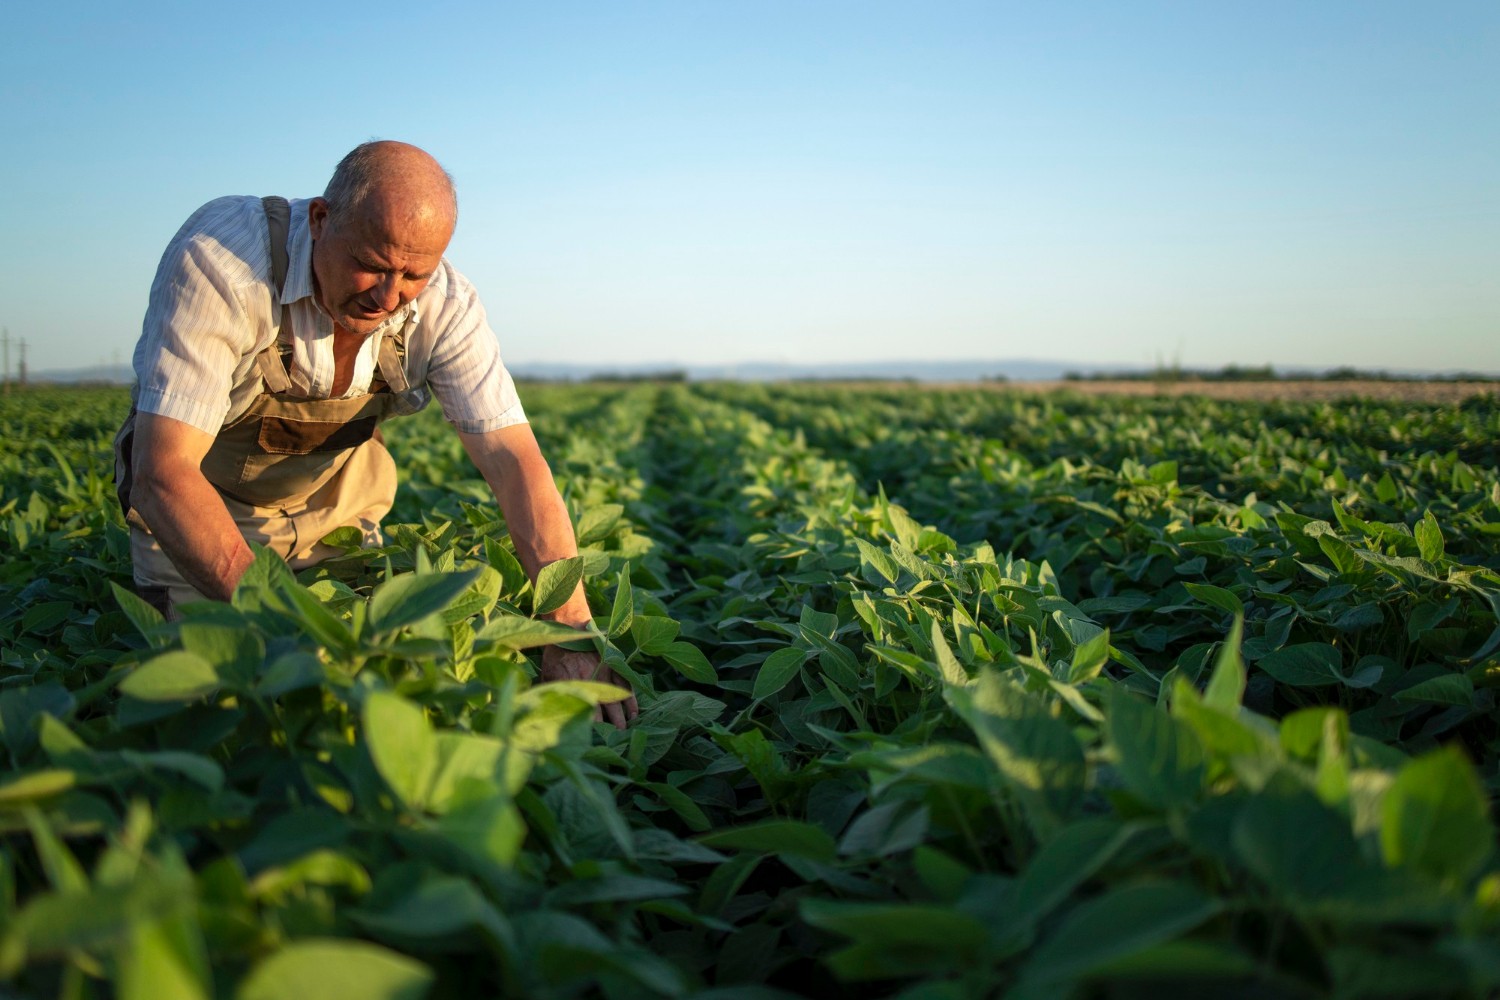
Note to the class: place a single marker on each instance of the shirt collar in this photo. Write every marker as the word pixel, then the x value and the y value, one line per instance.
pixel 299 283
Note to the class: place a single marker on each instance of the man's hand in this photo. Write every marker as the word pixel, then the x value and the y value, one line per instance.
pixel 511 462
pixel 560 664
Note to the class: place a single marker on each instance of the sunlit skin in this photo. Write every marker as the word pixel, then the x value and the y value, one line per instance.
pixel 374 259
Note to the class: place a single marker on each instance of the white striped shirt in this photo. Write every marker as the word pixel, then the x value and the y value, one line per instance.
pixel 213 308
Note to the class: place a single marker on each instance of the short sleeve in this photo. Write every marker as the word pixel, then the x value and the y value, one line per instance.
pixel 204 315
pixel 464 369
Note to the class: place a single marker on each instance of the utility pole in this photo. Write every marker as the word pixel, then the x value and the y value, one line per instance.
pixel 21 369
pixel 5 349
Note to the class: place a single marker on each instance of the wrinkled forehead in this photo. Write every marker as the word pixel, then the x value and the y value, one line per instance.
pixel 411 226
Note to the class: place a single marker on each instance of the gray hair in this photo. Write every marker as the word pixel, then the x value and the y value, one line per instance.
pixel 357 174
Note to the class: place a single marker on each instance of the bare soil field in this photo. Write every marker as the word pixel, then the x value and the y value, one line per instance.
pixel 1282 389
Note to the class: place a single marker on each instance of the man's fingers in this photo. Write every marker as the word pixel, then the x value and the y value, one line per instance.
pixel 569 665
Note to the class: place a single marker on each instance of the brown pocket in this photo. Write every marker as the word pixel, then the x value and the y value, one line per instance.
pixel 286 436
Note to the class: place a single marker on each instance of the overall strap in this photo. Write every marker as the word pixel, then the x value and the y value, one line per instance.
pixel 392 349
pixel 278 222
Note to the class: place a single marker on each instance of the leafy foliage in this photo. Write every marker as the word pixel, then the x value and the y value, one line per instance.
pixel 955 694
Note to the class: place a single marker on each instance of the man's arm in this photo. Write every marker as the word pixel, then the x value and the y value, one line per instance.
pixel 511 462
pixel 182 509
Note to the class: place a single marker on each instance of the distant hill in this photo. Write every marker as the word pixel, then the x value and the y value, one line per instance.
pixel 108 374
pixel 767 371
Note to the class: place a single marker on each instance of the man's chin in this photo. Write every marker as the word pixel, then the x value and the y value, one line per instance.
pixel 362 325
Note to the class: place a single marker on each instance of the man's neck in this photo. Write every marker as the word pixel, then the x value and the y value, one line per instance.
pixel 346 347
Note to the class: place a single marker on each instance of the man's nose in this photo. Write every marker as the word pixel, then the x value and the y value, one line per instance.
pixel 388 291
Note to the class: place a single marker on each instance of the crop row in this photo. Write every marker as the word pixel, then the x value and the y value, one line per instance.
pixel 943 694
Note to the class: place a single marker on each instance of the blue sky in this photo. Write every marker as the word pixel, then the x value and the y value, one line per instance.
pixel 1312 183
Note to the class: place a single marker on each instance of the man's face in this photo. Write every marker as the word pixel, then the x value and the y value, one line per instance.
pixel 367 265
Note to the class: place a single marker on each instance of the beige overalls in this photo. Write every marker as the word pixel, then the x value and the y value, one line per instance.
pixel 289 470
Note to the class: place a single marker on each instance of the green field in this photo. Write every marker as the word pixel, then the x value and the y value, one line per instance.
pixel 951 694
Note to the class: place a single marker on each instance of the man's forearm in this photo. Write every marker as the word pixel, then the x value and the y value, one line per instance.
pixel 190 522
pixel 543 533
pixel 534 511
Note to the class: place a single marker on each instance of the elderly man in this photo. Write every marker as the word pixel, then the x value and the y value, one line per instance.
pixel 278 336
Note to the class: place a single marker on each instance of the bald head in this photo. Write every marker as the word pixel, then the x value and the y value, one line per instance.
pixel 394 182
pixel 379 233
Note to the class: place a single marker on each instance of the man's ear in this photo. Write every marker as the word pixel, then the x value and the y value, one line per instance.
pixel 317 217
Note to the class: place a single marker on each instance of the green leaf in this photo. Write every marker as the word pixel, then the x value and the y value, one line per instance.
pixel 777 671
pixel 792 837
pixel 503 561
pixel 235 652
pixel 143 616
pixel 1221 733
pixel 1225 600
pixel 1118 924
pixel 596 523
pixel 203 771
pixel 402 745
pixel 1296 844
pixel 682 804
pixel 1159 757
pixel 315 619
pixel 1302 732
pixel 409 598
pixel 1065 862
pixel 46 616
pixel 1445 689
pixel 336 970
pixel 555 584
pixel 897 938
pixel 653 633
pixel 437 906
pixel 1429 538
pixel 267 574
pixel 1435 817
pixel 884 566
pixel 1226 686
pixel 22 709
pixel 459 758
pixel 34 786
pixel 1089 658
pixel 63 870
pixel 322 867
pixel 54 923
pixel 953 672
pixel 624 607
pixel 164 960
pixel 614 889
pixel 1307 664
pixel 489 828
pixel 291 672
pixel 518 632
pixel 175 676
pixel 690 662
pixel 589 692
pixel 884 831
pixel 1038 755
